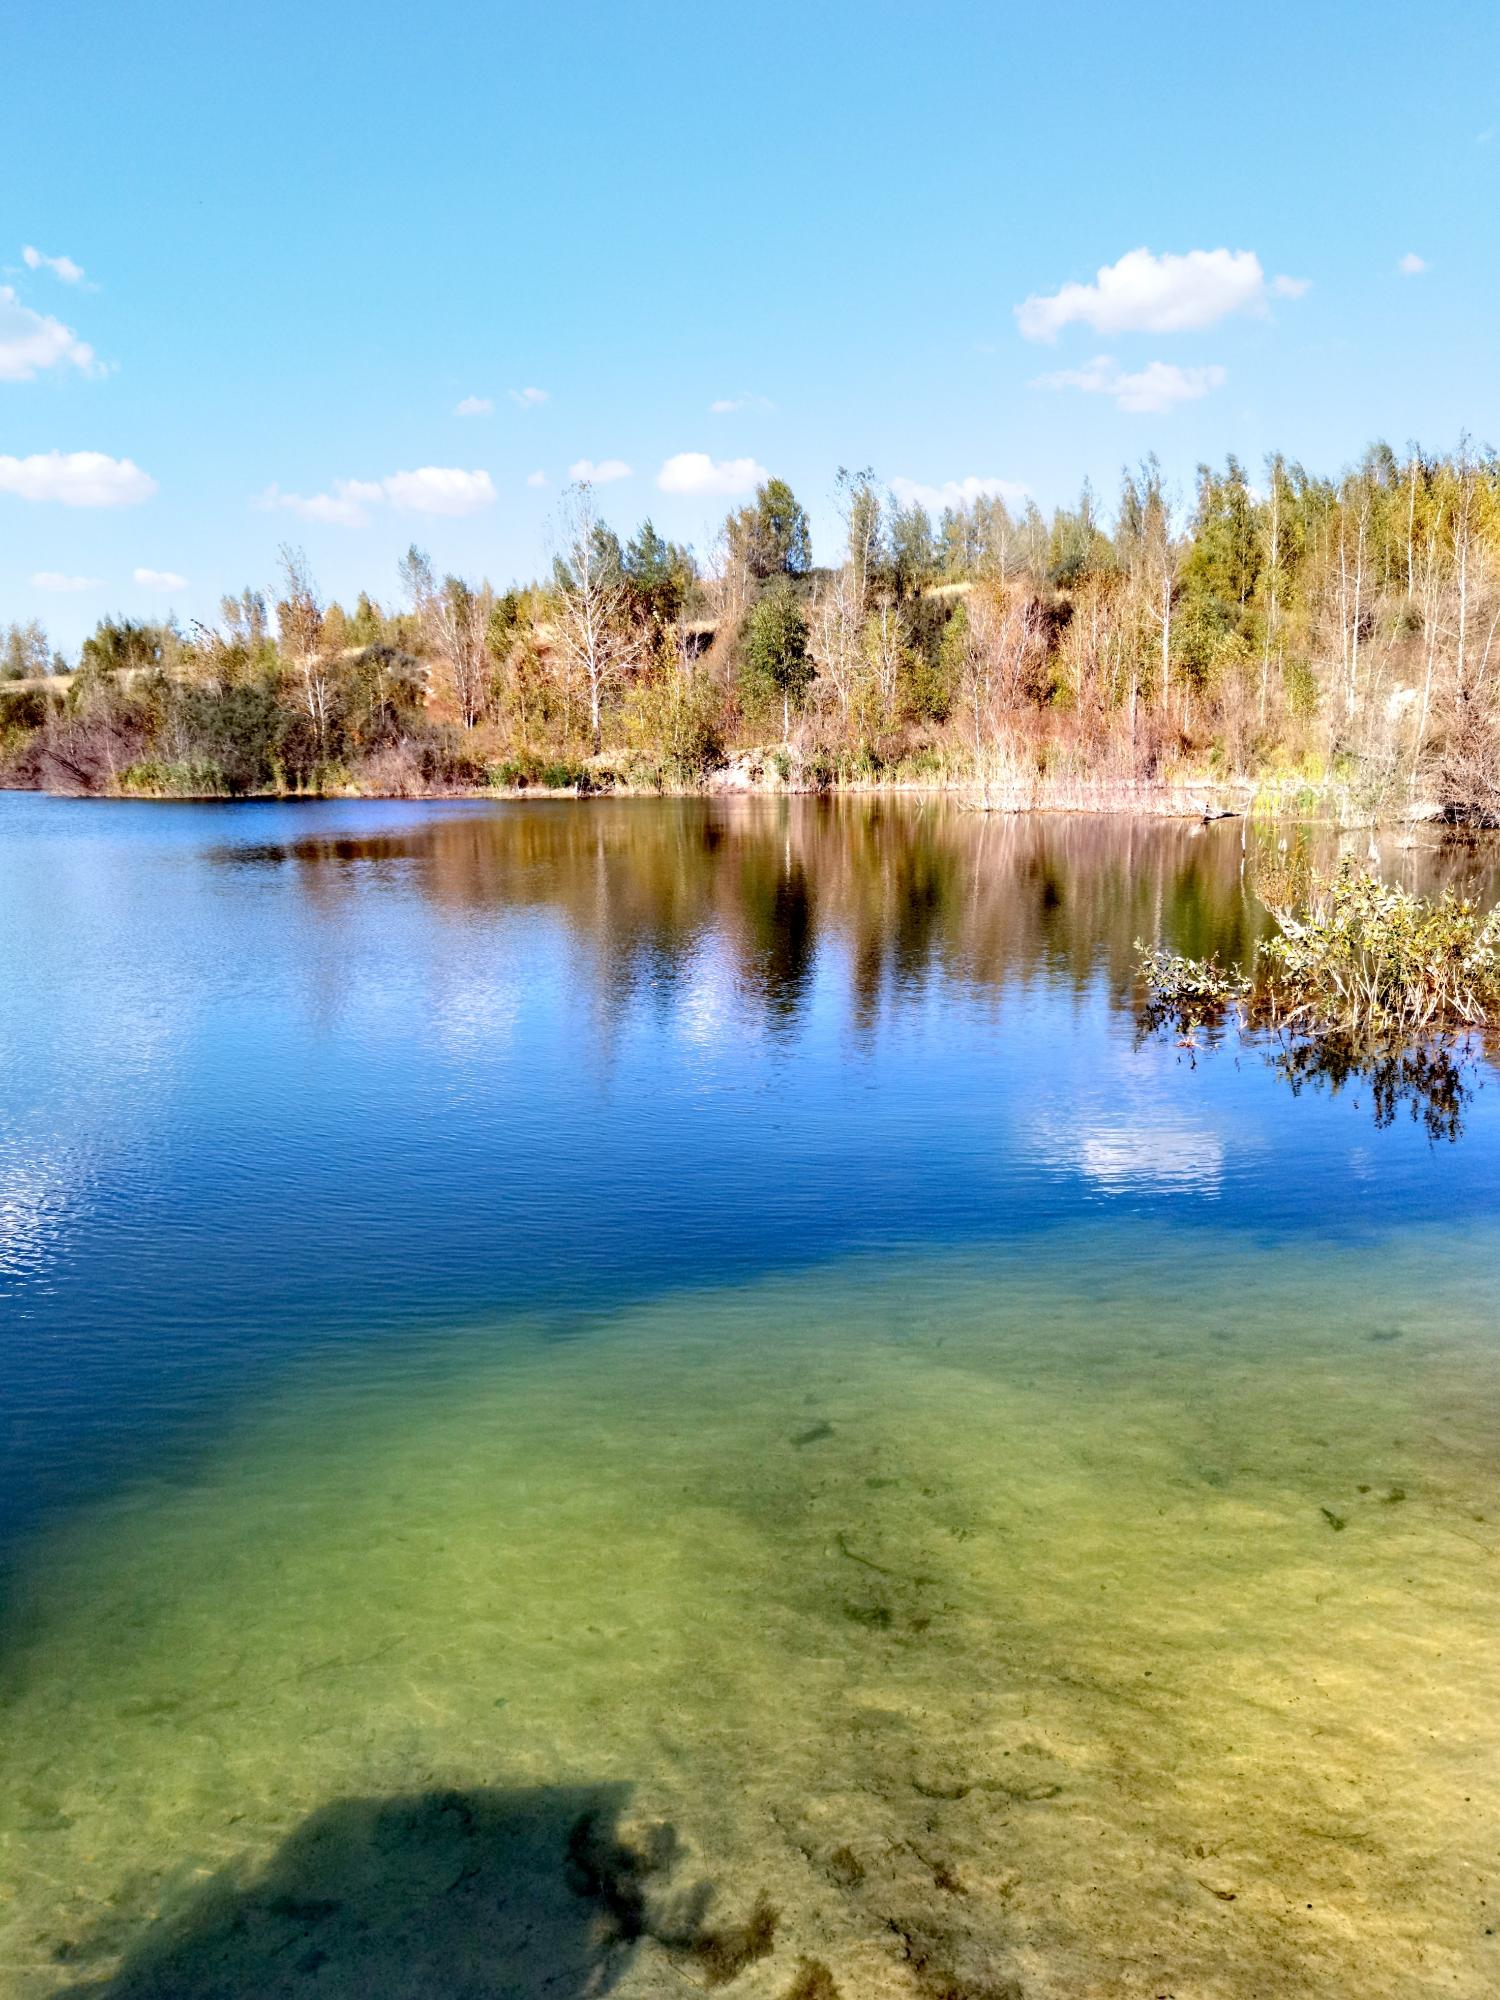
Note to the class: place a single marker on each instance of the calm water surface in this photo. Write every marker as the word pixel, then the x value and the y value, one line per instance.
pixel 637 1397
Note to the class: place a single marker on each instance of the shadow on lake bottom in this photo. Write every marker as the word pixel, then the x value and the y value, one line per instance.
pixel 481 1893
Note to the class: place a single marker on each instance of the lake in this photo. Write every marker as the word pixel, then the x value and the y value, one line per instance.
pixel 637 1397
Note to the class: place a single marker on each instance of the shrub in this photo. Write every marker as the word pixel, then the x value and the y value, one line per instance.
pixel 25 708
pixel 1356 957
pixel 235 731
pixel 564 776
pixel 173 778
pixel 560 776
pixel 861 766
pixel 1187 993
pixel 516 773
pixel 445 761
pixel 648 774
pixel 926 761
pixel 1301 686
pixel 673 717
pixel 1367 956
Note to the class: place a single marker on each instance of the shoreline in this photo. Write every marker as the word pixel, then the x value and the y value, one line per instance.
pixel 1202 802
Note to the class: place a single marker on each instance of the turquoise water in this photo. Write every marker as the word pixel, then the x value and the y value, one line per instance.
pixel 644 1398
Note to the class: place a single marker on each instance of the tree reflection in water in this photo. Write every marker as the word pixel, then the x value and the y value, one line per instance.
pixel 887 898
pixel 1435 1083
pixel 1433 1080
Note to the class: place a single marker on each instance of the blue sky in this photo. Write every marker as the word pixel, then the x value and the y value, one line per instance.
pixel 309 232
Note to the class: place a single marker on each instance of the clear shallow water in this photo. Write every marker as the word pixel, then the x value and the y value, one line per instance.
pixel 706 1317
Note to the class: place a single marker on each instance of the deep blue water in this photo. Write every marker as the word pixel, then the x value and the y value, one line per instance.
pixel 279 1077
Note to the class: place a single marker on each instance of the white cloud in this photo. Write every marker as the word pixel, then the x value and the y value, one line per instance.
pixel 1160 385
pixel 475 406
pixel 30 341
pixel 725 406
pixel 431 489
pixel 528 399
pixel 1411 265
pixel 1169 1155
pixel 160 579
pixel 55 579
pixel 696 472
pixel 536 479
pixel 60 267
pixel 344 507
pixel 957 492
pixel 600 474
pixel 76 479
pixel 439 489
pixel 1143 293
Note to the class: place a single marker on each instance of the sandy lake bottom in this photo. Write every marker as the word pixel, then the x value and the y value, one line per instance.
pixel 980 1625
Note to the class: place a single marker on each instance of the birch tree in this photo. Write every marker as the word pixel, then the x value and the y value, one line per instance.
pixel 299 620
pixel 1003 648
pixel 592 630
pixel 835 627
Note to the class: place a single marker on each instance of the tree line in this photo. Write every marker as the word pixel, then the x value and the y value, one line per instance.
pixel 1316 633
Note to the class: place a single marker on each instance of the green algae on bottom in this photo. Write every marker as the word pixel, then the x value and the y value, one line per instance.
pixel 1134 1720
